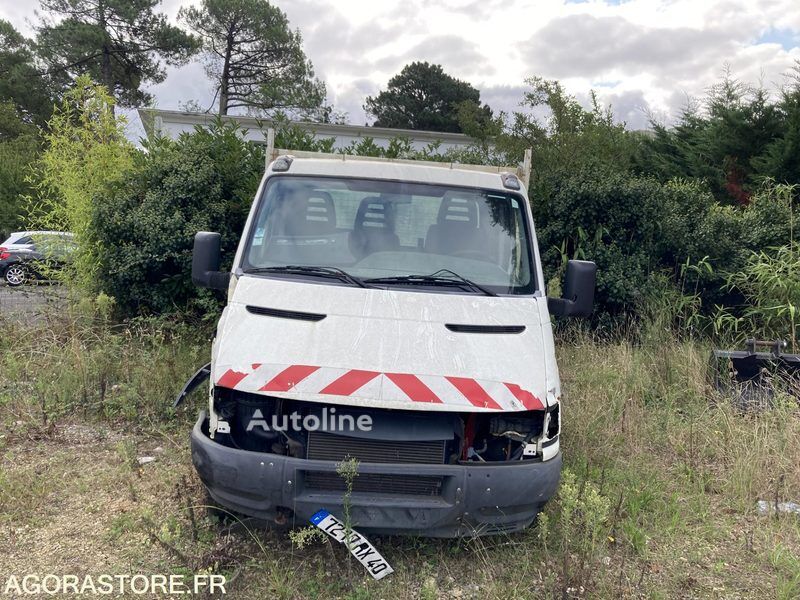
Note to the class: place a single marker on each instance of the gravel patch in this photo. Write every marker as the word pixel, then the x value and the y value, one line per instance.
pixel 29 302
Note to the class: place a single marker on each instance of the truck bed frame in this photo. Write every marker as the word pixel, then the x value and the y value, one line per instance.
pixel 523 171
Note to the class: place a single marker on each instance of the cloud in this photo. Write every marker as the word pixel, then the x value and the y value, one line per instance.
pixel 20 15
pixel 192 84
pixel 583 45
pixel 629 107
pixel 334 41
pixel 459 56
pixel 476 9
pixel 505 98
pixel 349 98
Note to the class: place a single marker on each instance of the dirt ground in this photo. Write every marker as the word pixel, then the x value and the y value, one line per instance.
pixel 76 500
pixel 75 490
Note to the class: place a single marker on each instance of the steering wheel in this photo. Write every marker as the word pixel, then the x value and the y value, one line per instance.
pixel 469 254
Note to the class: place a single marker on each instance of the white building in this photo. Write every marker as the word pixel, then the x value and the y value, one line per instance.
pixel 172 123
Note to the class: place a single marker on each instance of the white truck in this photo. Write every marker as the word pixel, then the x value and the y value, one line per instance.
pixel 392 312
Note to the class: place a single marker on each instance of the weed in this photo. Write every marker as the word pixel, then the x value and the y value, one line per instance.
pixel 582 520
pixel 71 364
pixel 307 536
pixel 348 471
pixel 771 283
pixel 787 563
pixel 429 590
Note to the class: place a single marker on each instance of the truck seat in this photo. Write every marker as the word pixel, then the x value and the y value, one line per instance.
pixel 312 216
pixel 458 228
pixel 373 229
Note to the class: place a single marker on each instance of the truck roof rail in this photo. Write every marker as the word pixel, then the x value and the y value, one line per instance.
pixel 523 171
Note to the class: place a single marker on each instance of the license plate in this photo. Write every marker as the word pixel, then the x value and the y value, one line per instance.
pixel 356 543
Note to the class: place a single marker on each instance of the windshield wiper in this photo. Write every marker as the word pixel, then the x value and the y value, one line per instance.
pixel 451 278
pixel 310 270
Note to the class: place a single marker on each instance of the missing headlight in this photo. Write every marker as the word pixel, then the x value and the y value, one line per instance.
pixel 505 437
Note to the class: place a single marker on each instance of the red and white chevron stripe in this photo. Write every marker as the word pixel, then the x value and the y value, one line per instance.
pixel 460 392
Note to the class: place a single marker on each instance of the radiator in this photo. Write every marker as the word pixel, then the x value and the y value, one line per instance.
pixel 330 446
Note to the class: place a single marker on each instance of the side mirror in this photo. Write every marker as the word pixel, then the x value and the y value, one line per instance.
pixel 578 297
pixel 205 262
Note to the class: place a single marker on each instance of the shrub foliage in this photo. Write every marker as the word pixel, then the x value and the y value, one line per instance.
pixel 202 181
pixel 86 155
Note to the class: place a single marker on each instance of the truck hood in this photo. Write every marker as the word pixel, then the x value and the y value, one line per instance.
pixel 393 348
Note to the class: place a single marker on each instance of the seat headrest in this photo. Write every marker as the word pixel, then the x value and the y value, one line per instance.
pixel 313 215
pixel 458 210
pixel 374 213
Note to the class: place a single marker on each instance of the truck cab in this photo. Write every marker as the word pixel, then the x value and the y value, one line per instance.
pixel 391 313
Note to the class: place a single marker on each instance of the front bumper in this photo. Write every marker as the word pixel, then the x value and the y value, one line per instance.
pixel 475 499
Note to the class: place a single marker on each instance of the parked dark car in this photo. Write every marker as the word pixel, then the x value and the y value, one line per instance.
pixel 47 255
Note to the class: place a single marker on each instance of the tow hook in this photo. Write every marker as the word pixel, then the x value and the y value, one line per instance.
pixel 282 515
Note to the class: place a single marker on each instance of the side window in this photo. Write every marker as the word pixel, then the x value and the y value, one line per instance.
pixel 46 244
pixel 23 240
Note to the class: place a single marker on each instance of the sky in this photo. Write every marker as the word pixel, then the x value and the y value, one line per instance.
pixel 645 58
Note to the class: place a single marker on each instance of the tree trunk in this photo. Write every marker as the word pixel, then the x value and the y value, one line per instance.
pixel 224 83
pixel 106 72
pixel 107 77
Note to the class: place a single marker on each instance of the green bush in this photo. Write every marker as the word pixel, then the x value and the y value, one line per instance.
pixel 770 281
pixel 608 217
pixel 768 221
pixel 698 229
pixel 146 225
pixel 634 227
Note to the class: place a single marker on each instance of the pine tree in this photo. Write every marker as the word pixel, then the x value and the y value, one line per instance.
pixel 781 158
pixel 118 43
pixel 255 59
pixel 22 82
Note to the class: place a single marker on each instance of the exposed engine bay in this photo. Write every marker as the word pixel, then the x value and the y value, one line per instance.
pixel 316 431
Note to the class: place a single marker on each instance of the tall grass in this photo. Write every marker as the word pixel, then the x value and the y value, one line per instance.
pixel 644 424
pixel 662 472
pixel 72 362
pixel 771 283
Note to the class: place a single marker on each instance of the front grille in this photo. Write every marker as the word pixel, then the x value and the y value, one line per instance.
pixel 376 483
pixel 330 446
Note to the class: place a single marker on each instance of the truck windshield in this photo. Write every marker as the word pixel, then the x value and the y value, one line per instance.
pixel 386 231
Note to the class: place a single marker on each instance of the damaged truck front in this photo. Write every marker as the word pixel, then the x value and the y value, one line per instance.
pixel 395 314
